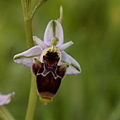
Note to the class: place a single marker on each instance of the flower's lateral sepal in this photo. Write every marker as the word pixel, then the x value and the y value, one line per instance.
pixel 74 67
pixel 26 58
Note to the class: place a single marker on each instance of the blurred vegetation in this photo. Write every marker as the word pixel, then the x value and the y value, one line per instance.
pixel 94 27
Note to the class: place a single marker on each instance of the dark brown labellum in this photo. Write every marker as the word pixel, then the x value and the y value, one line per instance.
pixel 48 78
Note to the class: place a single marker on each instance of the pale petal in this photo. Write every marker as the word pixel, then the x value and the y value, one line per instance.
pixel 26 58
pixel 5 99
pixel 50 33
pixel 74 67
pixel 66 45
pixel 38 41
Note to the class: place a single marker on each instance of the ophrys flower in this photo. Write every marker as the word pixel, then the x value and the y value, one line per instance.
pixel 49 61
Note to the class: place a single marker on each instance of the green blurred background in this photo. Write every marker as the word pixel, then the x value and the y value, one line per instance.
pixel 94 27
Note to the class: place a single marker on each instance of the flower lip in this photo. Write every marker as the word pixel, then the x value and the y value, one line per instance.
pixel 48 84
pixel 48 79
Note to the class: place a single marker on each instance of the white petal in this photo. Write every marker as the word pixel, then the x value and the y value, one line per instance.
pixel 50 33
pixel 5 99
pixel 38 41
pixel 26 58
pixel 66 45
pixel 74 67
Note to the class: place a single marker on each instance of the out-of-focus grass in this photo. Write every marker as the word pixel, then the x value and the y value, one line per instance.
pixel 94 27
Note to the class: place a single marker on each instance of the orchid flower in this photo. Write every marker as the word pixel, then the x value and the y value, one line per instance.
pixel 49 61
pixel 6 99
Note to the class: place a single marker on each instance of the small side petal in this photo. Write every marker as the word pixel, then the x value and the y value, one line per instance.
pixel 74 67
pixel 6 99
pixel 26 58
pixel 66 45
pixel 38 41
pixel 53 29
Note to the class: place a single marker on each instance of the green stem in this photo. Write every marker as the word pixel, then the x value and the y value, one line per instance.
pixel 4 114
pixel 28 16
pixel 33 95
pixel 28 23
pixel 28 30
pixel 32 100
